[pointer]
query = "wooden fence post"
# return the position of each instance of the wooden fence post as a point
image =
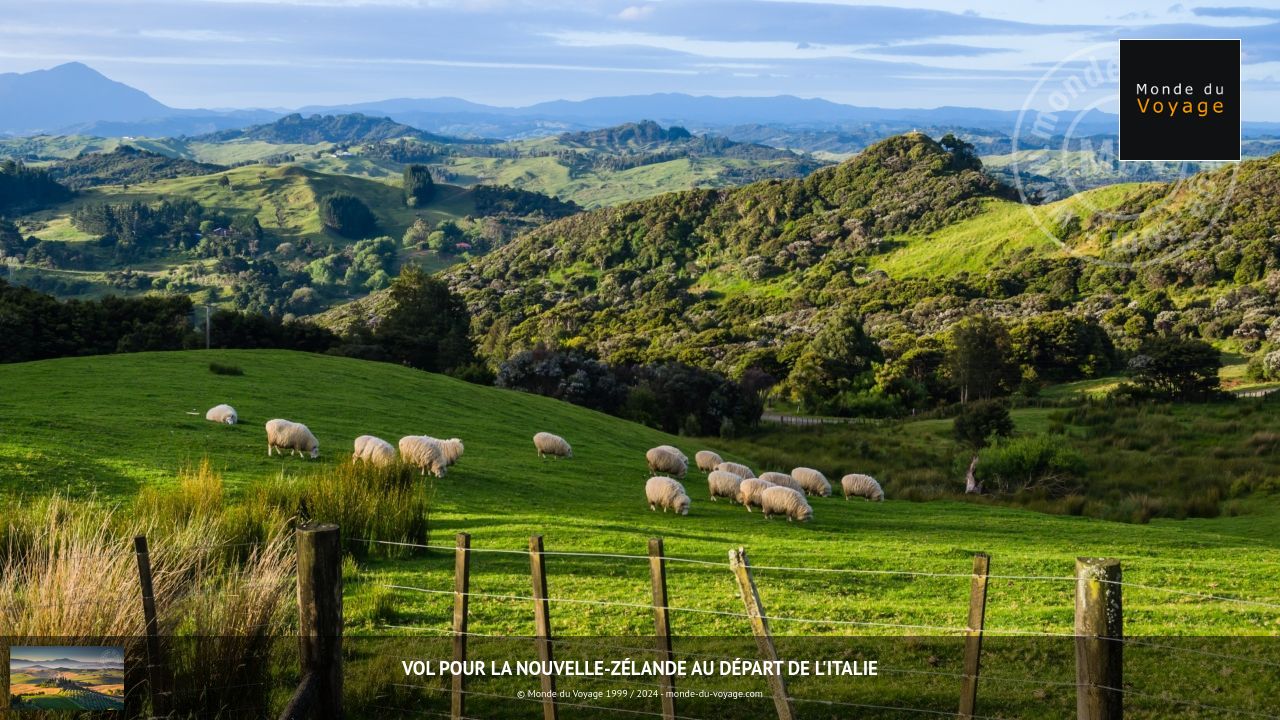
(760, 627)
(973, 635)
(662, 625)
(159, 689)
(1099, 640)
(461, 586)
(320, 617)
(542, 627)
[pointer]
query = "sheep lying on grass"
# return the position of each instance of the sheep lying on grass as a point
(666, 459)
(723, 485)
(295, 437)
(707, 460)
(863, 486)
(552, 445)
(373, 450)
(813, 482)
(665, 493)
(749, 491)
(785, 501)
(738, 469)
(783, 479)
(424, 453)
(222, 414)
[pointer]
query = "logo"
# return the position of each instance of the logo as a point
(1180, 100)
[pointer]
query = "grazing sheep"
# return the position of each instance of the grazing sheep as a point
(424, 453)
(863, 486)
(373, 450)
(783, 479)
(295, 437)
(749, 492)
(222, 414)
(707, 460)
(723, 484)
(552, 445)
(785, 501)
(452, 450)
(668, 494)
(813, 482)
(662, 459)
(677, 451)
(738, 469)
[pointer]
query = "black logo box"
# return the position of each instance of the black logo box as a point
(1180, 65)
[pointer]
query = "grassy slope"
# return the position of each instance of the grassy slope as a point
(1001, 230)
(111, 424)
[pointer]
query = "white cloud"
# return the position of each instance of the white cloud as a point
(635, 12)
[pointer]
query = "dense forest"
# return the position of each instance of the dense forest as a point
(127, 165)
(25, 189)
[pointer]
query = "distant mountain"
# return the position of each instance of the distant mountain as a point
(185, 123)
(67, 663)
(628, 135)
(67, 95)
(348, 128)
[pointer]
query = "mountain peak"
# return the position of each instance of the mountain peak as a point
(69, 94)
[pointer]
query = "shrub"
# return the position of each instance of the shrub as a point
(347, 215)
(1033, 463)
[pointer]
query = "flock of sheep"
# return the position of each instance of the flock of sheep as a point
(775, 493)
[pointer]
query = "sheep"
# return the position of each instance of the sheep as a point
(783, 479)
(676, 451)
(452, 450)
(663, 459)
(424, 453)
(749, 491)
(295, 437)
(666, 493)
(813, 482)
(738, 469)
(863, 486)
(707, 460)
(785, 501)
(723, 484)
(373, 450)
(222, 414)
(552, 445)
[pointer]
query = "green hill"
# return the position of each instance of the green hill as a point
(348, 128)
(125, 165)
(105, 426)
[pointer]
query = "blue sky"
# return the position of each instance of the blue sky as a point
(909, 53)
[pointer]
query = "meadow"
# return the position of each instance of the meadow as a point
(123, 437)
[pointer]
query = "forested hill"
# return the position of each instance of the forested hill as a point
(349, 128)
(902, 242)
(627, 267)
(127, 165)
(658, 143)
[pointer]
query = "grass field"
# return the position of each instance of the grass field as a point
(104, 427)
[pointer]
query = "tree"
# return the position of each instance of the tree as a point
(839, 353)
(1174, 368)
(418, 186)
(347, 215)
(427, 326)
(974, 427)
(980, 358)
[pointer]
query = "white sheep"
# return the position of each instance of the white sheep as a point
(863, 486)
(373, 450)
(677, 451)
(666, 493)
(738, 469)
(813, 482)
(785, 501)
(552, 445)
(723, 484)
(452, 450)
(424, 453)
(707, 460)
(222, 414)
(666, 459)
(295, 437)
(749, 492)
(783, 479)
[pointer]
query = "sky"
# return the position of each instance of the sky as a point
(903, 53)
(105, 654)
